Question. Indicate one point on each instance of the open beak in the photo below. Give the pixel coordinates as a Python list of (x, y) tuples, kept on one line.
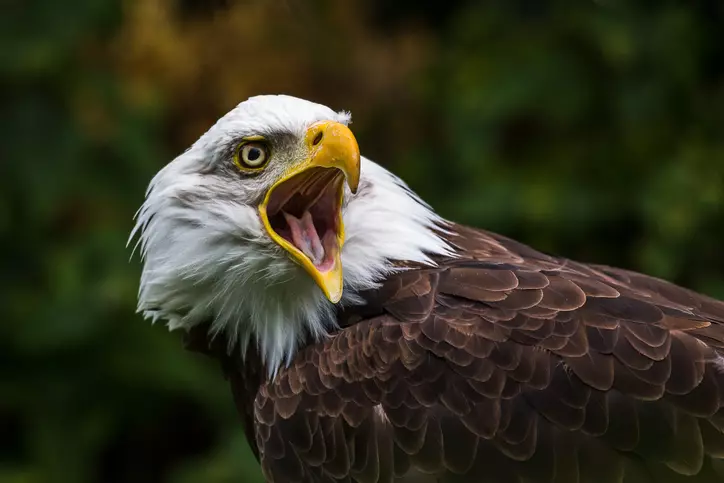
[(302, 211)]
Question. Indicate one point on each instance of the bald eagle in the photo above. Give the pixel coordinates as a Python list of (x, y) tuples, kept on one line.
[(367, 339)]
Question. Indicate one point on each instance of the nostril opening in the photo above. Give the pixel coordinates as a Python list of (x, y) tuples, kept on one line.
[(318, 138)]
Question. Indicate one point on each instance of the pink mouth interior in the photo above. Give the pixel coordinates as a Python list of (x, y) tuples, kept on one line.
[(304, 211)]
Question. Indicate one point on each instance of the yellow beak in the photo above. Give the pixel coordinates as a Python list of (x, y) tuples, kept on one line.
[(331, 146)]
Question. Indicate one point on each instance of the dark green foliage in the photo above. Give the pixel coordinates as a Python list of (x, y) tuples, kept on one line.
[(595, 132)]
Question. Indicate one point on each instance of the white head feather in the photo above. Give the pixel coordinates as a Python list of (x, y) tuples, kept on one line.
[(207, 256)]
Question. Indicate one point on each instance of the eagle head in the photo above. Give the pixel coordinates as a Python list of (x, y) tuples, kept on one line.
[(269, 221)]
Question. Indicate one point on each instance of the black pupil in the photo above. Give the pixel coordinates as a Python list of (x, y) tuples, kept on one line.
[(253, 154)]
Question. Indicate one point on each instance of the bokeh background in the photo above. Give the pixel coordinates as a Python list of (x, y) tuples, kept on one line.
[(591, 129)]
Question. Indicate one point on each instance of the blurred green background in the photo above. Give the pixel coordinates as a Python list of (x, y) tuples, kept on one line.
[(591, 129)]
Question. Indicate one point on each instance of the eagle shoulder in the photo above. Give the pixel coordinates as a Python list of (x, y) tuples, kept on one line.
[(501, 365)]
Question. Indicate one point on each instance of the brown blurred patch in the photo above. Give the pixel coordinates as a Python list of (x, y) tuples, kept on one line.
[(203, 65)]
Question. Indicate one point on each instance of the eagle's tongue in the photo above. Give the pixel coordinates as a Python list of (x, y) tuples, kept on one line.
[(305, 236)]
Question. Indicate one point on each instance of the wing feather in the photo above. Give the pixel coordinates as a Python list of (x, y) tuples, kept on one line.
[(504, 365)]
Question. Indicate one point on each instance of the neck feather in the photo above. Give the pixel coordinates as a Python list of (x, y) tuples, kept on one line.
[(255, 294)]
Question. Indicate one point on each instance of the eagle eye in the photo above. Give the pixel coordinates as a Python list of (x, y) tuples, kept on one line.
[(251, 155)]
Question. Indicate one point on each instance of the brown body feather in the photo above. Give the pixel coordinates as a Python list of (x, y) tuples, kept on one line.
[(503, 366)]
